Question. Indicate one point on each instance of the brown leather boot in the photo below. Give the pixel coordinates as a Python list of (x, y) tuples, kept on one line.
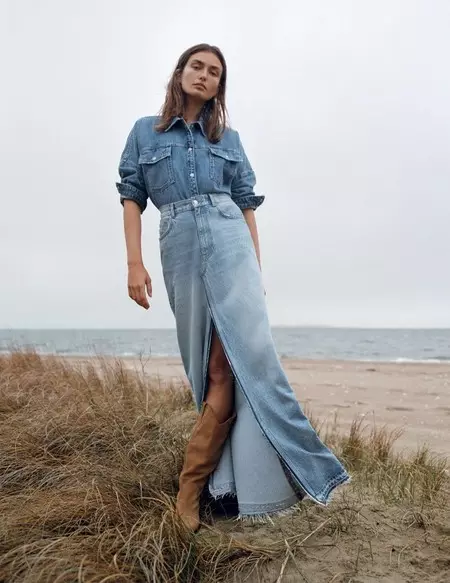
[(201, 458)]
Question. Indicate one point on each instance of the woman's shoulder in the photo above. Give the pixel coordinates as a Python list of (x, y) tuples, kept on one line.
[(230, 139), (145, 131), (147, 122)]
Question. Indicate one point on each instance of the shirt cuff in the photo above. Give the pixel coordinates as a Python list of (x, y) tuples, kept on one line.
[(128, 192), (249, 202)]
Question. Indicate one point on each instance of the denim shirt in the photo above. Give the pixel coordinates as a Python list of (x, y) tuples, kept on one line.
[(180, 163)]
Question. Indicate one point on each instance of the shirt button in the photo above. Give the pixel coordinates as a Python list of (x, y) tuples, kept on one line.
[(192, 175), (189, 149)]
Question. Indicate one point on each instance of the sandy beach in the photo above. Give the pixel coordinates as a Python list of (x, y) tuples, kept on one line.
[(90, 469), (413, 396)]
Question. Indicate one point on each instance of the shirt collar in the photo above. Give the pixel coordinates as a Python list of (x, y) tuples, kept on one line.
[(177, 119)]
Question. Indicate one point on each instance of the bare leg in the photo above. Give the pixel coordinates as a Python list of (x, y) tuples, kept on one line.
[(220, 394)]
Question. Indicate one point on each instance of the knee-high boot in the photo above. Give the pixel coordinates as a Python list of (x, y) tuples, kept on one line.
[(201, 458)]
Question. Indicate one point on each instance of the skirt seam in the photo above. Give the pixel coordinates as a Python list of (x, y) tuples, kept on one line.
[(308, 489)]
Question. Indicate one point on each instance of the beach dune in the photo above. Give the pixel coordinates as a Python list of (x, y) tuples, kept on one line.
[(412, 396)]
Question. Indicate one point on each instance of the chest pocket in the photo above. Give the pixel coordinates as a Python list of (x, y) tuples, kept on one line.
[(157, 167), (223, 165)]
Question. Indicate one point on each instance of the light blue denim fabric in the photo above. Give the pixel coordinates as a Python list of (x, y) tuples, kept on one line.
[(180, 163), (272, 457), (212, 276)]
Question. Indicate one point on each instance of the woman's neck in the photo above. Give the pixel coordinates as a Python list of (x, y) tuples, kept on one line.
[(192, 111)]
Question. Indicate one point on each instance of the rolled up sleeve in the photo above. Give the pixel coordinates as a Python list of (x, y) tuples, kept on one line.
[(131, 185), (243, 184)]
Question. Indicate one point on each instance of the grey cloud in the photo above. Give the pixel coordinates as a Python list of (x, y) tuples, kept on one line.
[(342, 107)]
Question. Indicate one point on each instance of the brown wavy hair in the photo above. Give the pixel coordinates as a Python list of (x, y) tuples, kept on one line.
[(214, 112)]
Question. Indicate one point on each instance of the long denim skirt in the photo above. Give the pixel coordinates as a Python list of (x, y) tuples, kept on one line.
[(273, 457)]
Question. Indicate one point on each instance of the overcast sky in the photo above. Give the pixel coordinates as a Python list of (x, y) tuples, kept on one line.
[(344, 111)]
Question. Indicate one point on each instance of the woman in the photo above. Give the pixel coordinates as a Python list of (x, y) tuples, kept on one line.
[(251, 439)]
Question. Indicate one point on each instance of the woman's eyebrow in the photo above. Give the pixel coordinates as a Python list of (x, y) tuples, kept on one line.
[(199, 62)]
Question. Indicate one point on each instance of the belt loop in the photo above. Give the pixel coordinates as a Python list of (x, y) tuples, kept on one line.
[(172, 210), (212, 198)]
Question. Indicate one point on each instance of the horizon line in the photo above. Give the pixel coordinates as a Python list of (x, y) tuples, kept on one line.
[(306, 326)]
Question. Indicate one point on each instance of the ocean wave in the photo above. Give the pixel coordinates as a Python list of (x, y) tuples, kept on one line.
[(436, 360)]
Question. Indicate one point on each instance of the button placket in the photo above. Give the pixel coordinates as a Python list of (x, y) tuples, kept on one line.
[(191, 162)]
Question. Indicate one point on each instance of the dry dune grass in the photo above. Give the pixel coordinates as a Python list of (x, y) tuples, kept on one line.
[(89, 463)]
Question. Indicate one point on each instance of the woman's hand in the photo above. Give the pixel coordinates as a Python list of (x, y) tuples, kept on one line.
[(139, 281)]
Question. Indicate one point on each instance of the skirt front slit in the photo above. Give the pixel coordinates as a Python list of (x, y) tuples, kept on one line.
[(273, 457)]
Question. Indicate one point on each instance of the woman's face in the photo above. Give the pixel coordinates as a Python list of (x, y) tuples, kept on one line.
[(201, 76)]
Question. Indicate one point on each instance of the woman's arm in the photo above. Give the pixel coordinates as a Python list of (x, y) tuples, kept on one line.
[(133, 196), (249, 215), (133, 230), (139, 280), (243, 194)]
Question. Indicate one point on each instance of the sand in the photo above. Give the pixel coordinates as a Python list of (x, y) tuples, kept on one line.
[(413, 396), (361, 538)]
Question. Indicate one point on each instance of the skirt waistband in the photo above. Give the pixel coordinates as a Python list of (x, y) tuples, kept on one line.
[(189, 204)]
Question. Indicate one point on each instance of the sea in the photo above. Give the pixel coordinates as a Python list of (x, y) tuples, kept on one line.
[(386, 345)]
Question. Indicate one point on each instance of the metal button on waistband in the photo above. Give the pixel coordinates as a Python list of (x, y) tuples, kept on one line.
[(195, 202)]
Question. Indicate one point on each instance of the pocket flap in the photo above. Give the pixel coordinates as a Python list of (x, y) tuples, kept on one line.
[(153, 155), (231, 155)]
